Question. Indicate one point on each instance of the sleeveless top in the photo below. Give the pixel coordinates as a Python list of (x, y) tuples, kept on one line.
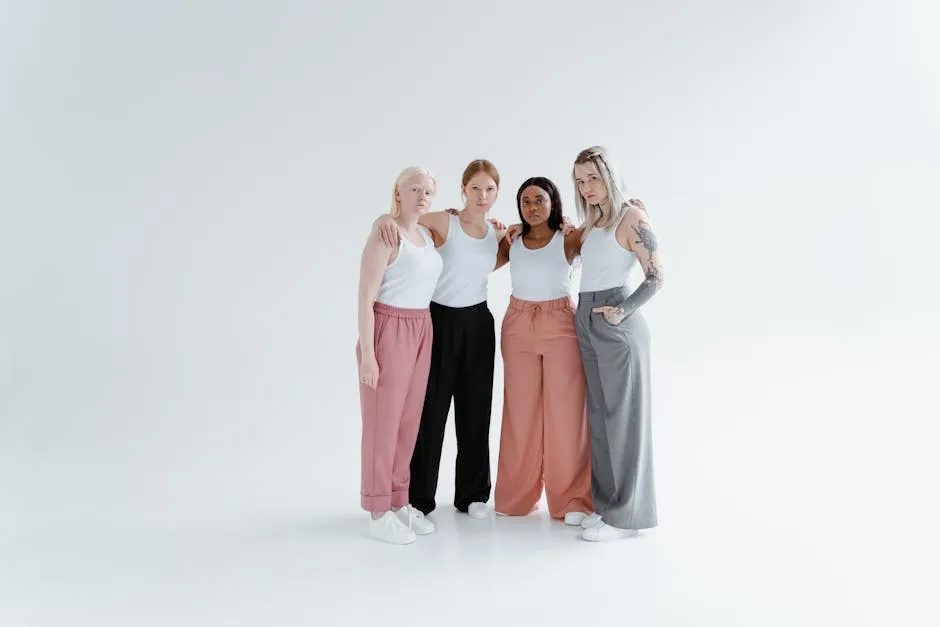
[(542, 274), (604, 262), (410, 280), (467, 265)]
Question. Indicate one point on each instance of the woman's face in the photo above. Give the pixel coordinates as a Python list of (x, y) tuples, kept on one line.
[(415, 195), (536, 205), (590, 184), (481, 192)]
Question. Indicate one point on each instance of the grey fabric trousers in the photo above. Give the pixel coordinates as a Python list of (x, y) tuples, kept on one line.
[(617, 364)]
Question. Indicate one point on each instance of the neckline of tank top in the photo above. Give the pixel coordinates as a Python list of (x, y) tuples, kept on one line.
[(489, 228), (424, 238), (604, 229), (612, 233), (522, 245)]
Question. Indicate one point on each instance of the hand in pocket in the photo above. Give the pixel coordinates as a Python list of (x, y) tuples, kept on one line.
[(613, 315)]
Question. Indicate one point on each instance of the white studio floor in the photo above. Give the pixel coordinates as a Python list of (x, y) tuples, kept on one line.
[(791, 492)]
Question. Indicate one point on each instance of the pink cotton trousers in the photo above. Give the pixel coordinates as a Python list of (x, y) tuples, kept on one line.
[(391, 412)]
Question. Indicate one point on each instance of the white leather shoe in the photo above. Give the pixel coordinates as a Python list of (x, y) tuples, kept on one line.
[(478, 510), (590, 520), (414, 519), (575, 518), (388, 528), (602, 532)]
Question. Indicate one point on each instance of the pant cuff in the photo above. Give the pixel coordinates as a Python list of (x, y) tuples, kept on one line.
[(376, 503)]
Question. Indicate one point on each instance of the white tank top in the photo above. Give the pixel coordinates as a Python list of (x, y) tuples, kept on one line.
[(604, 262), (410, 280), (467, 265), (541, 274)]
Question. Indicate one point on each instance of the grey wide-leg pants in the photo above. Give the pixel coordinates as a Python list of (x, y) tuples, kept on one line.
[(617, 364)]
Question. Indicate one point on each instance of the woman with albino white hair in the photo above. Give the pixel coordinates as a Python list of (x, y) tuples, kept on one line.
[(464, 350), (394, 356), (615, 348)]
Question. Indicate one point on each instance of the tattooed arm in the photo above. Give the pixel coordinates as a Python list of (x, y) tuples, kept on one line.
[(635, 233)]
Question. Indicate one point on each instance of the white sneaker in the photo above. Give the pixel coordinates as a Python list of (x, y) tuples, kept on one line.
[(590, 520), (478, 510), (575, 518), (388, 528), (414, 519), (602, 532)]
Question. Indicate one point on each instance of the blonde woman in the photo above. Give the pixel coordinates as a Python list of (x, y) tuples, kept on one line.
[(615, 348), (394, 356), (464, 351)]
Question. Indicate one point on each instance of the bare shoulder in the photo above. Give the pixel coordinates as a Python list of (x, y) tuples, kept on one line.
[(575, 236), (433, 217), (436, 221), (634, 216), (376, 248)]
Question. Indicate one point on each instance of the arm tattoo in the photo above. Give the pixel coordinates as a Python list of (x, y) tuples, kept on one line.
[(654, 275), (647, 238), (641, 294)]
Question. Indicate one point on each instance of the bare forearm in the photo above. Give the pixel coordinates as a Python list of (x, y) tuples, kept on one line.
[(366, 328)]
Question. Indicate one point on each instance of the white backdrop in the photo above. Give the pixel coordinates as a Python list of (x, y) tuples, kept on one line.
[(186, 187)]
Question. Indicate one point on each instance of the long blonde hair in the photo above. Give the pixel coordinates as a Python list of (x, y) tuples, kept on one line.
[(616, 190), (406, 174)]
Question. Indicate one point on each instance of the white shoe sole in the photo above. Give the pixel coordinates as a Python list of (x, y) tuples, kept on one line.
[(395, 541), (608, 537)]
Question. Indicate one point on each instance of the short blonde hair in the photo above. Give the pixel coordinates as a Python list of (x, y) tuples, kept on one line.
[(406, 174)]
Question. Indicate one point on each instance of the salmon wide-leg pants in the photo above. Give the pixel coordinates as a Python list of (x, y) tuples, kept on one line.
[(544, 439)]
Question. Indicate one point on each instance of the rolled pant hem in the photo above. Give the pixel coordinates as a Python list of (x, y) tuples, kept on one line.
[(376, 503)]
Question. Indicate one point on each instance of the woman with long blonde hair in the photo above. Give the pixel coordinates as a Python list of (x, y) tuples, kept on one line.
[(615, 347)]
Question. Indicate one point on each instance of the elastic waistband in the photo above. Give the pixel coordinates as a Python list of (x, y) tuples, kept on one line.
[(459, 310), (613, 293), (540, 305), (401, 312)]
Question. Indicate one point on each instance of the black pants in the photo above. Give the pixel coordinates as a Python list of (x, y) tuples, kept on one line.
[(462, 359)]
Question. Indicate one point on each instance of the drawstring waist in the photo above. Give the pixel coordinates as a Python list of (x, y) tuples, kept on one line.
[(535, 307)]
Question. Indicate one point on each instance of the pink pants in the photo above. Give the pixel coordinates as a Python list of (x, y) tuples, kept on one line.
[(391, 412), (544, 439)]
